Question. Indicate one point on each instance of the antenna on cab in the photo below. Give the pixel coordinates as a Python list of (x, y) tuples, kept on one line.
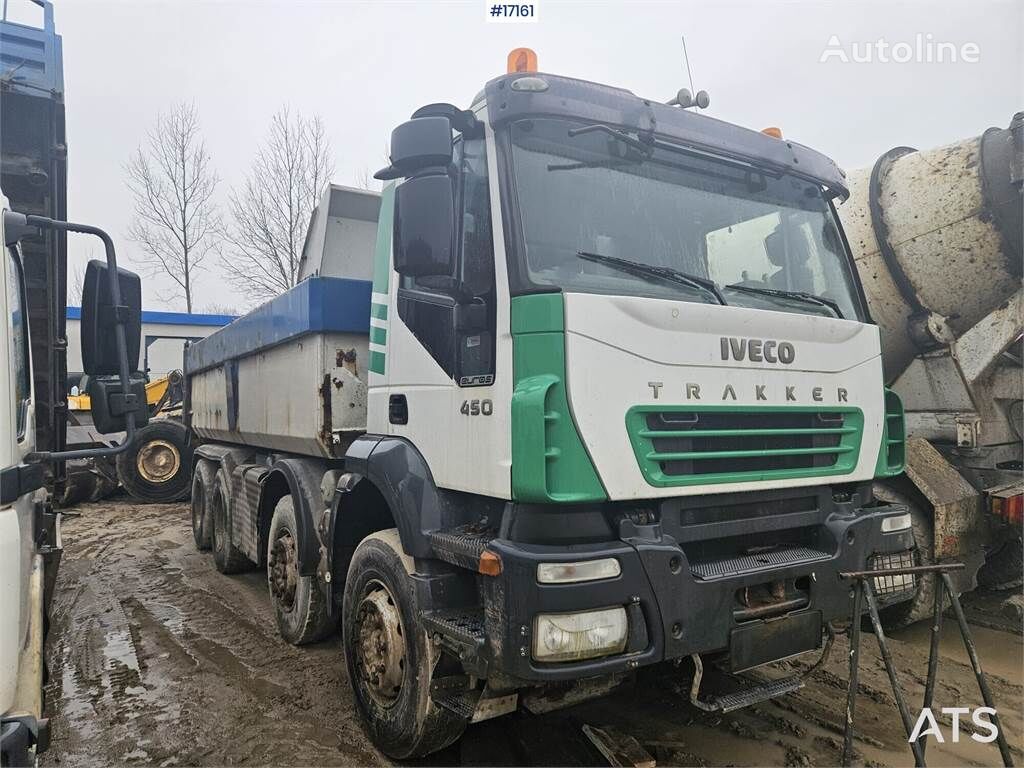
[(685, 98)]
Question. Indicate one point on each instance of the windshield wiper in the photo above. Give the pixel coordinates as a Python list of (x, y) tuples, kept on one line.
[(644, 148), (810, 298), (647, 148), (663, 273)]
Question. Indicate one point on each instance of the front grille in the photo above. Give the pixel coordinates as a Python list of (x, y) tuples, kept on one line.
[(685, 445), (887, 586)]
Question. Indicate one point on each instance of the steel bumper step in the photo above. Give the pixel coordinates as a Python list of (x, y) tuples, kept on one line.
[(730, 702), (759, 561), (461, 546)]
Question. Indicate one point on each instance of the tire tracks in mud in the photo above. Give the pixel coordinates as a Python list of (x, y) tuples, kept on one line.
[(157, 659)]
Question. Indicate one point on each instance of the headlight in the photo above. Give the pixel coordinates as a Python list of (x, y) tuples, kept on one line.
[(578, 636), (896, 523), (570, 573)]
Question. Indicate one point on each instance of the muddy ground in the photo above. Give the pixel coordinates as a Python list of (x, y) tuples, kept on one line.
[(157, 659)]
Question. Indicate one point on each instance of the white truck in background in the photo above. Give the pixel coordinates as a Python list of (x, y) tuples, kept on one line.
[(936, 237), (30, 541), (33, 342)]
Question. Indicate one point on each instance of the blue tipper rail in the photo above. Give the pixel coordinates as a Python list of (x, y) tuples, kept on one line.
[(316, 305)]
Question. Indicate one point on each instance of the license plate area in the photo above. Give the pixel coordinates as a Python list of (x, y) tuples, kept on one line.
[(760, 642)]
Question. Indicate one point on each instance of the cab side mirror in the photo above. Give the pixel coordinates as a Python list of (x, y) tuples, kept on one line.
[(422, 142), (424, 226), (99, 319), (100, 358)]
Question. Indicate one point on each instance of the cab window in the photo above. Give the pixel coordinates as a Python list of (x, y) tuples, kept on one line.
[(17, 322)]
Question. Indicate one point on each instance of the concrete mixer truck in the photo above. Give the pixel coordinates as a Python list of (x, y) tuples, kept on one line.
[(936, 237)]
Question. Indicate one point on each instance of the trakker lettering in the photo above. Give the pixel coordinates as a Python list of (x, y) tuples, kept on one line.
[(757, 350), (788, 393)]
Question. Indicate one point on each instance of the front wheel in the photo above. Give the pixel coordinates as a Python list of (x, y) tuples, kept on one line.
[(390, 659)]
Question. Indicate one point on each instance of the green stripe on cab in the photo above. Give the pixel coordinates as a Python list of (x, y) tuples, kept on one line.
[(549, 462)]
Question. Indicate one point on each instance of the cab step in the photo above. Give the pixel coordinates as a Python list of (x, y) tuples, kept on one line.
[(461, 546), (461, 632), (730, 702), (464, 626), (462, 703), (754, 694)]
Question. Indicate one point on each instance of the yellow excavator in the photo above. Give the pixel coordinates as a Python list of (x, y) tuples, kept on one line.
[(156, 466)]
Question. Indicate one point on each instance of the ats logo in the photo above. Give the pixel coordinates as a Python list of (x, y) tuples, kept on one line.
[(984, 729)]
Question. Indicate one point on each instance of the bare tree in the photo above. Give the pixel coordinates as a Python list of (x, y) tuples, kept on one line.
[(364, 177), (77, 285), (221, 309), (270, 213), (176, 221)]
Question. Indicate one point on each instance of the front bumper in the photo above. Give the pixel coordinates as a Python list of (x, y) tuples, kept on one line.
[(677, 605)]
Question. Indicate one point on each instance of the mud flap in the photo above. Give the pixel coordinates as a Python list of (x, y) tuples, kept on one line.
[(958, 512)]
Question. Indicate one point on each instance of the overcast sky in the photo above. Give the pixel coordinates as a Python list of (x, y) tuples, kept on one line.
[(364, 67)]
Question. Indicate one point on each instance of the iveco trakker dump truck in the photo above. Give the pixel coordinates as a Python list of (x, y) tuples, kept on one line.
[(540, 413), (936, 237)]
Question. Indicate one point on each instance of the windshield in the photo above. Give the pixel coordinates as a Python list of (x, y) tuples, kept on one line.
[(593, 192)]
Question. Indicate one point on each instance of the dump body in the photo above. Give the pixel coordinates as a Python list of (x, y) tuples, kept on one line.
[(33, 175), (291, 374)]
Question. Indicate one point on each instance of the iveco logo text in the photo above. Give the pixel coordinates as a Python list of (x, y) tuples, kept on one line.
[(757, 350)]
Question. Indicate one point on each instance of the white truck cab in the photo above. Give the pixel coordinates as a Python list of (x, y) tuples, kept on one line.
[(29, 531), (30, 545)]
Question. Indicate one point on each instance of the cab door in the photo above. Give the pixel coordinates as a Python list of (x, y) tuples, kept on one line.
[(440, 346)]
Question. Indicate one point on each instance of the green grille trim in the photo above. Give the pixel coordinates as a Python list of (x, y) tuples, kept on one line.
[(378, 335), (693, 455), (892, 452), (379, 311), (641, 438), (744, 432)]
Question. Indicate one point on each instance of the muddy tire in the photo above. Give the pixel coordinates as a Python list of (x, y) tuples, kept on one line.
[(204, 479), (299, 605), (922, 604), (1003, 568), (226, 556), (156, 466), (79, 485), (389, 657), (105, 479)]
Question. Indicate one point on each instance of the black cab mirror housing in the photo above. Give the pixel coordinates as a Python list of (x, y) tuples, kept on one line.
[(109, 406), (419, 143), (99, 318), (424, 226)]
